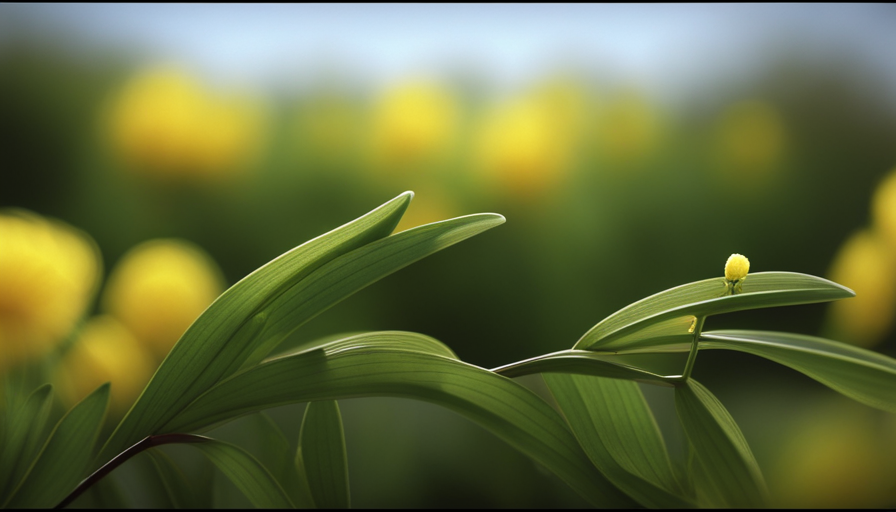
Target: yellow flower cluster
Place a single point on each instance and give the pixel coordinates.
(152, 296)
(860, 264)
(48, 274)
(166, 124)
(737, 267)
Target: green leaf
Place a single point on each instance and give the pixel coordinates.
(174, 482)
(65, 457)
(24, 438)
(614, 425)
(246, 473)
(860, 374)
(374, 367)
(705, 298)
(354, 271)
(731, 472)
(274, 452)
(322, 448)
(582, 362)
(225, 335)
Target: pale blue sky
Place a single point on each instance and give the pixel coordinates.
(668, 48)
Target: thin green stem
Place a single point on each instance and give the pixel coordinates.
(143, 444)
(692, 355)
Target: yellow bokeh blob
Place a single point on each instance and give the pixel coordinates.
(520, 149)
(627, 128)
(165, 123)
(835, 458)
(883, 210)
(863, 264)
(105, 351)
(159, 288)
(751, 141)
(413, 124)
(48, 274)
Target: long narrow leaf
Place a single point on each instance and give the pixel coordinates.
(705, 298)
(352, 272)
(65, 457)
(24, 438)
(860, 374)
(246, 473)
(226, 333)
(507, 409)
(174, 482)
(322, 445)
(731, 472)
(618, 432)
(582, 362)
(274, 452)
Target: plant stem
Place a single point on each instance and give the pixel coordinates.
(118, 460)
(692, 355)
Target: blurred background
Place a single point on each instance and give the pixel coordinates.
(152, 155)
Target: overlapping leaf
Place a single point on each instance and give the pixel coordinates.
(322, 449)
(65, 457)
(377, 366)
(615, 427)
(24, 438)
(582, 362)
(674, 308)
(860, 374)
(246, 473)
(226, 333)
(729, 471)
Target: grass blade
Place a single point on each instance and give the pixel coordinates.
(860, 374)
(246, 473)
(174, 483)
(65, 458)
(581, 362)
(24, 438)
(507, 409)
(706, 298)
(615, 427)
(731, 472)
(226, 333)
(323, 455)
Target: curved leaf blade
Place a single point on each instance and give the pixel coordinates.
(860, 374)
(226, 333)
(611, 420)
(582, 362)
(730, 470)
(65, 458)
(323, 455)
(174, 482)
(246, 473)
(507, 409)
(24, 438)
(354, 271)
(706, 298)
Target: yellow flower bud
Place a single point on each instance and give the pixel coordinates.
(736, 267)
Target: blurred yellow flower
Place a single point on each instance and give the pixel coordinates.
(835, 457)
(105, 351)
(628, 128)
(736, 267)
(520, 150)
(431, 206)
(751, 141)
(862, 264)
(883, 210)
(48, 274)
(165, 123)
(413, 124)
(159, 287)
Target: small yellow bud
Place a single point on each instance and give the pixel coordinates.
(736, 267)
